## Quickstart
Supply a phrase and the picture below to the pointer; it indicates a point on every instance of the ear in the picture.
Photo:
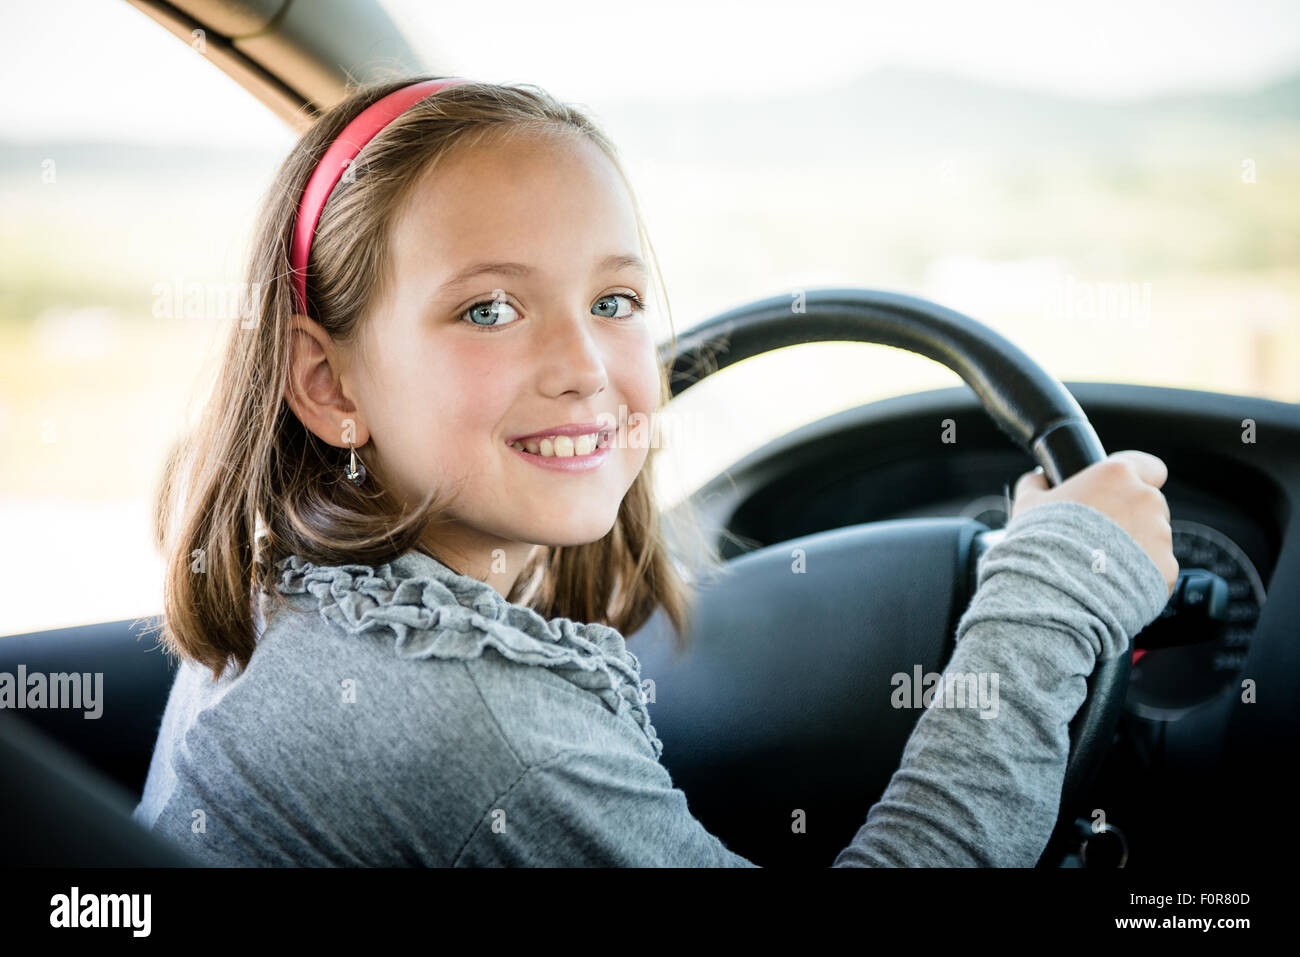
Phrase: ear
(315, 391)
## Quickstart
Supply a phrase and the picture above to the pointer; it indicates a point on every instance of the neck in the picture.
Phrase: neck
(496, 563)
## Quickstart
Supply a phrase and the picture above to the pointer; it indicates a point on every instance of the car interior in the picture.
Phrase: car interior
(782, 698)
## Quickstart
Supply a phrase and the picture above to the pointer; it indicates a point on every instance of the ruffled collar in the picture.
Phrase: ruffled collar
(431, 611)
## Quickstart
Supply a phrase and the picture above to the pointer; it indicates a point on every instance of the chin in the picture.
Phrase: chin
(568, 534)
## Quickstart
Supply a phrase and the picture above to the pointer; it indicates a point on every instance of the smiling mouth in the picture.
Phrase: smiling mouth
(564, 446)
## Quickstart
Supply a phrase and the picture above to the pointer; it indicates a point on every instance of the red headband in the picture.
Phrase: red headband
(340, 154)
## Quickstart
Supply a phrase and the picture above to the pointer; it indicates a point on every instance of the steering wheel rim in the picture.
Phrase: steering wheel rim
(1027, 404)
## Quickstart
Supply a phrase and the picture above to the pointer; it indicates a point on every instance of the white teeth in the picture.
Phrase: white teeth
(559, 446)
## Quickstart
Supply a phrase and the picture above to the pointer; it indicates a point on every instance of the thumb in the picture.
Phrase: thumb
(1028, 488)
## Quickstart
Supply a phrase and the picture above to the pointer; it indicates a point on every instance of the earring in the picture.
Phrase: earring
(355, 472)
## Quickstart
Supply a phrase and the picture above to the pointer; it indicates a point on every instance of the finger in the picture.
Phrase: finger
(1150, 469)
(1034, 481)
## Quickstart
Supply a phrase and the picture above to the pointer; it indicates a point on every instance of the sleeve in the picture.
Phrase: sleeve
(1065, 585)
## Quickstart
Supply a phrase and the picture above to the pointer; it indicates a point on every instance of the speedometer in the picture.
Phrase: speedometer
(1180, 660)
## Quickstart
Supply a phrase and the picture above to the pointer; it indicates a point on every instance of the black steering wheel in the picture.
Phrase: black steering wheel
(782, 700)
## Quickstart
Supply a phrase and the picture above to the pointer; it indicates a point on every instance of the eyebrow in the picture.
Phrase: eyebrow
(612, 263)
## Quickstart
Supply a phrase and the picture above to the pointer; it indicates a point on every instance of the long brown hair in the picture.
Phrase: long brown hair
(251, 485)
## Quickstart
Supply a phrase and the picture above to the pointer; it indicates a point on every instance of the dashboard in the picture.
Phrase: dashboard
(1228, 514)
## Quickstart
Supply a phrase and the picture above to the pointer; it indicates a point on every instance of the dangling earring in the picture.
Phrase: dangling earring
(355, 472)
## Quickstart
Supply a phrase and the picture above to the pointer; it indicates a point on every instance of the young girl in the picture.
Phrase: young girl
(406, 541)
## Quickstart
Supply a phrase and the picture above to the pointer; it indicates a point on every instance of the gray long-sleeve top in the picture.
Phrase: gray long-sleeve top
(408, 715)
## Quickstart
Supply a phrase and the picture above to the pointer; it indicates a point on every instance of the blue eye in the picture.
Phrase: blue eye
(637, 304)
(488, 310)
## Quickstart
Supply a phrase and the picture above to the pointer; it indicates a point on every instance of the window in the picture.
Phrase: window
(131, 167)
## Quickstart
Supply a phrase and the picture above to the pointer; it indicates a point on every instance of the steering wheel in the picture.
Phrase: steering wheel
(782, 700)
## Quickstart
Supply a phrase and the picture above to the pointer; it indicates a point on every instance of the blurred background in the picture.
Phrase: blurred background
(1114, 186)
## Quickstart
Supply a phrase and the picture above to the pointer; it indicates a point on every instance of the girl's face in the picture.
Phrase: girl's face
(512, 311)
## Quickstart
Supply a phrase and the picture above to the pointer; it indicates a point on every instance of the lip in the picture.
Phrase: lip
(572, 463)
(573, 428)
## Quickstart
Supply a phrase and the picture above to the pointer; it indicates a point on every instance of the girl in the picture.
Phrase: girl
(408, 536)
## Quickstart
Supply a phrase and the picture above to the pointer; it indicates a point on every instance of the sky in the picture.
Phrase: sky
(100, 69)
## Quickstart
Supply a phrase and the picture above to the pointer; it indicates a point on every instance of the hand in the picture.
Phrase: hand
(1124, 486)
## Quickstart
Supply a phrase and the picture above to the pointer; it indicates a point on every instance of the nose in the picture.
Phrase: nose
(573, 360)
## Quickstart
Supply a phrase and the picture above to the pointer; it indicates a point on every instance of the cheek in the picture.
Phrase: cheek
(464, 406)
(448, 408)
(642, 386)
(641, 392)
